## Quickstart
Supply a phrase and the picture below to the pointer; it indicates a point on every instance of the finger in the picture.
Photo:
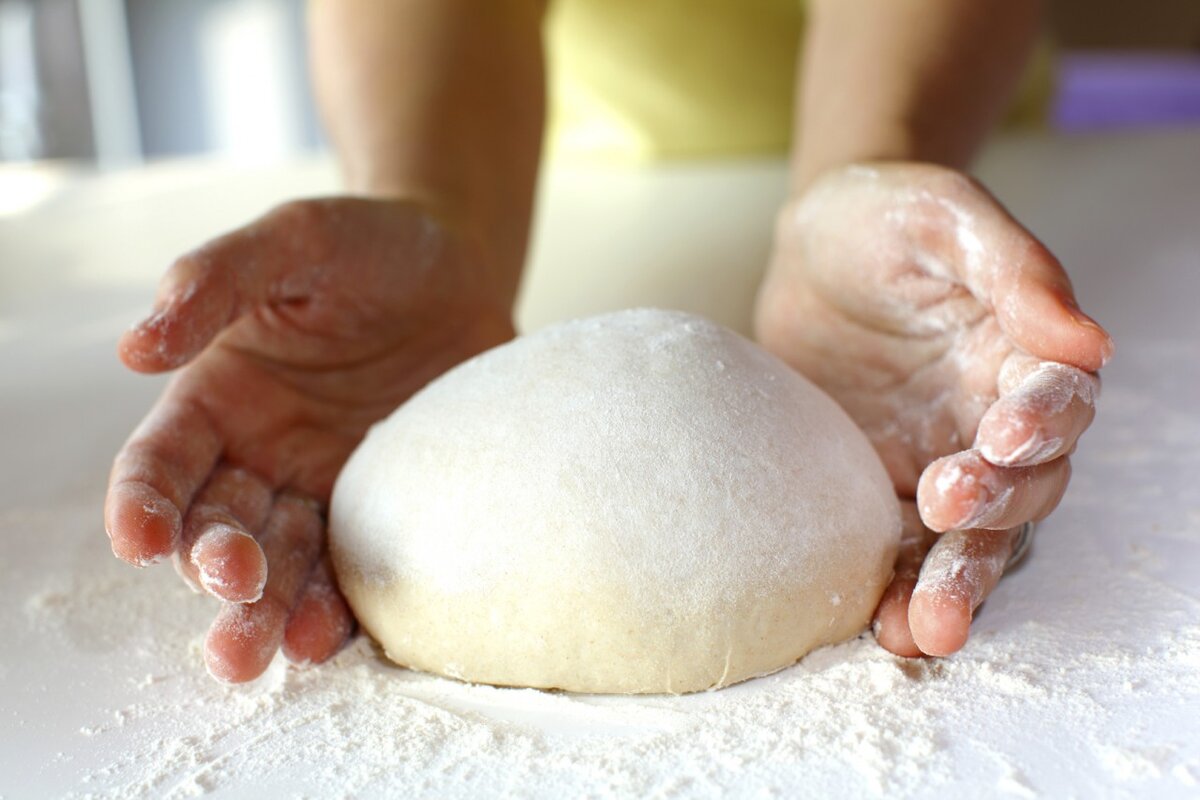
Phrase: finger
(964, 490)
(891, 616)
(218, 551)
(155, 476)
(244, 637)
(321, 622)
(1043, 409)
(960, 571)
(274, 259)
(1014, 274)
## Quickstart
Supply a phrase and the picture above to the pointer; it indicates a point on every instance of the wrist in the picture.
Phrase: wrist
(815, 155)
(495, 238)
(886, 143)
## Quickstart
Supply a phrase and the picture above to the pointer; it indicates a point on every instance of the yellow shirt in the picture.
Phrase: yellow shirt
(645, 79)
(638, 80)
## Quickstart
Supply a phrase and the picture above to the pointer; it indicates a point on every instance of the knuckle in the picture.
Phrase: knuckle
(186, 272)
(300, 213)
(953, 184)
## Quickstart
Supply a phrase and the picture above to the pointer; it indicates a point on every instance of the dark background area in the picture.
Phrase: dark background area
(1126, 24)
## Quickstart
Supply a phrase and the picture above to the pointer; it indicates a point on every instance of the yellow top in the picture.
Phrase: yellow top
(637, 80)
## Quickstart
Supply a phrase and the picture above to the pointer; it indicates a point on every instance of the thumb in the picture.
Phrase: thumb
(1035, 306)
(1026, 287)
(274, 259)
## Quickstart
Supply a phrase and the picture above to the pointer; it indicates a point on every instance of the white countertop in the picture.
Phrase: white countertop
(1082, 677)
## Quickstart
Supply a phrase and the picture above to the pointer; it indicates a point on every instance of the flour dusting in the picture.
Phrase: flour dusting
(852, 717)
(1079, 678)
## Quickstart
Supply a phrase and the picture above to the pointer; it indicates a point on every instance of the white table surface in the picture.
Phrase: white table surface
(1112, 581)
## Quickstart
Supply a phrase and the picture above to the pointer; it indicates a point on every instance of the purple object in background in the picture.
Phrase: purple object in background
(1098, 91)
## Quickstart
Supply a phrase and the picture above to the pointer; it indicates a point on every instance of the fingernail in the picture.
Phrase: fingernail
(164, 305)
(1107, 348)
(1083, 320)
(1001, 458)
(156, 319)
(986, 509)
(976, 510)
(1034, 450)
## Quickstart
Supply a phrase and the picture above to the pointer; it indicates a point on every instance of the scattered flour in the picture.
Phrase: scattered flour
(850, 718)
(1079, 679)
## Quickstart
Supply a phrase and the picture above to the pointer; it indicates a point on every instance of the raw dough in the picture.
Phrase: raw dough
(641, 501)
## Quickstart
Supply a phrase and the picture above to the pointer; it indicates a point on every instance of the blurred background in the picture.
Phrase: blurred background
(114, 82)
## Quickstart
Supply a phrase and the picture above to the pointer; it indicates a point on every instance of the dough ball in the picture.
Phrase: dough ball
(641, 501)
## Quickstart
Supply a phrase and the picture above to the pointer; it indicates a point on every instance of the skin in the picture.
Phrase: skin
(898, 284)
(906, 291)
(295, 333)
(938, 343)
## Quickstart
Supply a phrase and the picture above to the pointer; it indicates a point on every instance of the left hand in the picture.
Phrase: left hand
(951, 336)
(292, 335)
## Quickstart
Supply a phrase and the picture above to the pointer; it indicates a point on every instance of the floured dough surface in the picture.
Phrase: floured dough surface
(636, 502)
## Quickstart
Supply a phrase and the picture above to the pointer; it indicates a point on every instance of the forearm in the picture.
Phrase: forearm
(920, 80)
(440, 101)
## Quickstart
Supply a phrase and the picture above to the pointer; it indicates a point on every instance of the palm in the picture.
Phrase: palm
(949, 334)
(909, 352)
(327, 369)
(298, 332)
(317, 413)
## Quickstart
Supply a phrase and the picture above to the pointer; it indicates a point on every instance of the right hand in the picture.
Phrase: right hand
(951, 336)
(293, 334)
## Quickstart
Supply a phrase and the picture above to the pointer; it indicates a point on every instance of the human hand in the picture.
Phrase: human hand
(294, 335)
(952, 337)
